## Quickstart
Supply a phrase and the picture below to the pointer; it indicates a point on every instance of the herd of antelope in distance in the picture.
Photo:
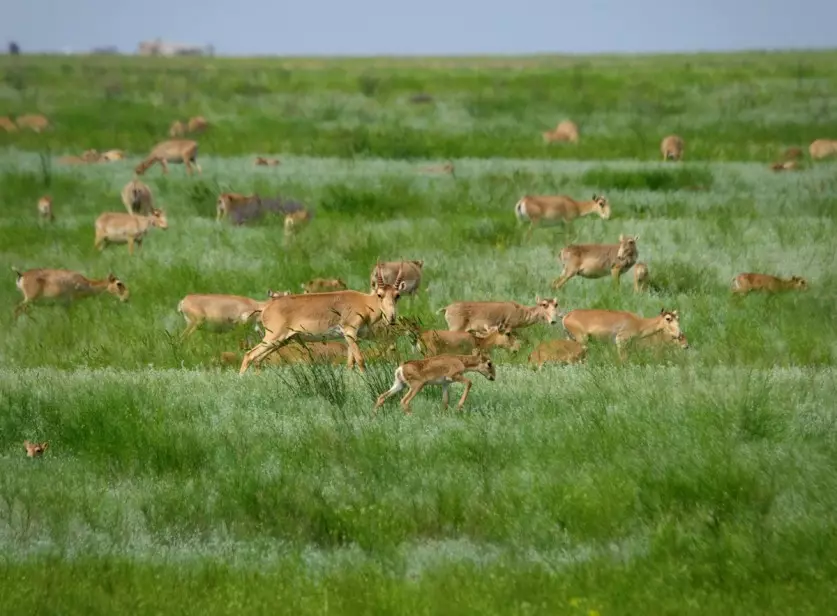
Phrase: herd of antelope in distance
(308, 326)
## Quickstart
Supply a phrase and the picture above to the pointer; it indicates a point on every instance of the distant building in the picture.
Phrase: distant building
(158, 47)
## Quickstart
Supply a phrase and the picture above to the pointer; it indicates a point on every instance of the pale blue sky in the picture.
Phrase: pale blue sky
(422, 27)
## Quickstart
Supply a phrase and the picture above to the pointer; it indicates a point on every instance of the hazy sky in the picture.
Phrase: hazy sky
(423, 27)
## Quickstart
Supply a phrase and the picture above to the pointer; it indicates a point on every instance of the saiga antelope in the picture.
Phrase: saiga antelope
(640, 277)
(228, 202)
(33, 450)
(319, 285)
(220, 310)
(172, 151)
(59, 284)
(744, 283)
(618, 326)
(261, 161)
(411, 272)
(137, 198)
(296, 221)
(822, 148)
(473, 316)
(597, 260)
(558, 351)
(120, 228)
(45, 208)
(672, 147)
(438, 341)
(564, 131)
(552, 209)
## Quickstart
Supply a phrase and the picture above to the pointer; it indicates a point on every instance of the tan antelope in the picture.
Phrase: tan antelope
(65, 285)
(228, 202)
(597, 260)
(296, 221)
(552, 209)
(564, 131)
(437, 370)
(197, 125)
(120, 228)
(7, 124)
(662, 339)
(640, 277)
(261, 161)
(787, 165)
(319, 285)
(45, 208)
(822, 148)
(474, 316)
(137, 198)
(410, 271)
(111, 156)
(438, 341)
(316, 316)
(222, 311)
(672, 147)
(558, 351)
(33, 450)
(744, 283)
(88, 157)
(33, 121)
(618, 326)
(172, 151)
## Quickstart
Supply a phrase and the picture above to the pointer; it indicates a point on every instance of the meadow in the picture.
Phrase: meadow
(686, 482)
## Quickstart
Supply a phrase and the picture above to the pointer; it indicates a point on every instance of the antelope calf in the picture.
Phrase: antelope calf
(33, 121)
(662, 339)
(33, 450)
(437, 370)
(197, 125)
(438, 341)
(66, 285)
(822, 148)
(267, 162)
(618, 326)
(296, 221)
(744, 283)
(672, 147)
(564, 131)
(410, 271)
(137, 198)
(45, 208)
(7, 125)
(597, 260)
(229, 202)
(640, 277)
(172, 151)
(787, 165)
(112, 156)
(558, 351)
(222, 311)
(119, 228)
(552, 209)
(474, 316)
(320, 285)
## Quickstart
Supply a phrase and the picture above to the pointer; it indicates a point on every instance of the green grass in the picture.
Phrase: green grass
(683, 483)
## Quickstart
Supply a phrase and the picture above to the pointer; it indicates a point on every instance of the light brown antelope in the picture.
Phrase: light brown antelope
(64, 285)
(319, 285)
(317, 316)
(744, 283)
(597, 260)
(822, 148)
(552, 209)
(474, 316)
(197, 125)
(672, 147)
(296, 221)
(437, 370)
(662, 340)
(558, 351)
(787, 165)
(410, 271)
(137, 198)
(618, 326)
(120, 228)
(227, 202)
(261, 161)
(45, 208)
(33, 450)
(7, 124)
(438, 341)
(88, 157)
(220, 310)
(177, 129)
(111, 156)
(33, 121)
(172, 151)
(640, 277)
(564, 131)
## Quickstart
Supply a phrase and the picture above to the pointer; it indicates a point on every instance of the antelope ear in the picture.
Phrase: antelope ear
(537, 299)
(111, 277)
(621, 237)
(595, 196)
(45, 446)
(402, 285)
(636, 238)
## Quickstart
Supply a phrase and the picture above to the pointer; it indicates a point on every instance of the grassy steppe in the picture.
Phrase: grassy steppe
(686, 483)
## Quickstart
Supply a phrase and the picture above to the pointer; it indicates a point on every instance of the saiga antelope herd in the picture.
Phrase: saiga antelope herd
(326, 320)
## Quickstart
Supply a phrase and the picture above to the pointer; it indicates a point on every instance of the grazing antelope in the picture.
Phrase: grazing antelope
(437, 370)
(33, 121)
(119, 228)
(744, 283)
(558, 351)
(45, 208)
(7, 125)
(112, 156)
(672, 147)
(822, 148)
(551, 209)
(33, 450)
(474, 316)
(438, 341)
(316, 316)
(172, 151)
(640, 277)
(788, 165)
(296, 221)
(319, 285)
(137, 198)
(222, 311)
(618, 326)
(661, 340)
(565, 131)
(58, 284)
(197, 125)
(597, 260)
(410, 271)
(228, 202)
(267, 162)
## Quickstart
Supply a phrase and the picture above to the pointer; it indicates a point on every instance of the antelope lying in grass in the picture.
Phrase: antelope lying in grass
(137, 198)
(119, 228)
(64, 285)
(744, 283)
(672, 147)
(822, 148)
(598, 260)
(296, 221)
(437, 370)
(564, 131)
(7, 125)
(33, 450)
(45, 208)
(787, 165)
(410, 271)
(438, 341)
(552, 209)
(112, 156)
(558, 351)
(317, 316)
(474, 316)
(228, 202)
(267, 162)
(33, 121)
(640, 277)
(320, 285)
(172, 151)
(619, 326)
(88, 157)
(222, 311)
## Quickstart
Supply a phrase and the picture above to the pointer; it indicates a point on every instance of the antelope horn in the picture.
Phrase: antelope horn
(379, 279)
(400, 275)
